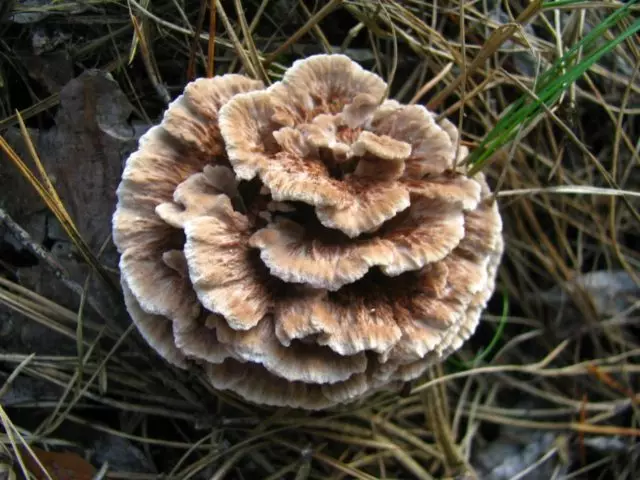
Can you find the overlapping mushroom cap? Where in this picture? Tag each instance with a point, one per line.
(307, 243)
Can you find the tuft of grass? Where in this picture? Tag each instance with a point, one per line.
(550, 86)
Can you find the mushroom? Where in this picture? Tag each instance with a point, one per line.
(306, 244)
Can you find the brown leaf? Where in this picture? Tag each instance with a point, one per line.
(83, 154)
(86, 149)
(59, 465)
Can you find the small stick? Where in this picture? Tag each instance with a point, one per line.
(39, 251)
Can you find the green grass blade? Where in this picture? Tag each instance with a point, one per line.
(551, 85)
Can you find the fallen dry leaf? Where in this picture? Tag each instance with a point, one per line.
(59, 465)
(83, 154)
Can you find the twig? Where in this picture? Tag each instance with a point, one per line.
(38, 250)
(49, 260)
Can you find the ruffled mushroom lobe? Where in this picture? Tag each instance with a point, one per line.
(185, 142)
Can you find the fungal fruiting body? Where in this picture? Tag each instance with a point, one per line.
(308, 243)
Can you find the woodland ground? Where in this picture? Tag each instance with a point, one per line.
(547, 95)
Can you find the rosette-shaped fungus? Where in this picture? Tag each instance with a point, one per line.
(306, 243)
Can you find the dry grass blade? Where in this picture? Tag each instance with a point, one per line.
(12, 432)
(249, 66)
(251, 46)
(191, 66)
(15, 373)
(311, 23)
(570, 190)
(435, 405)
(213, 8)
(141, 39)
